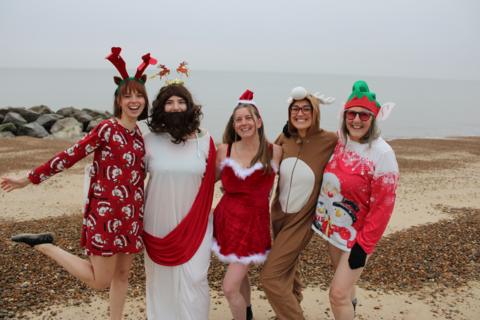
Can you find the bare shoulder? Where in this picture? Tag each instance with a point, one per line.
(221, 151)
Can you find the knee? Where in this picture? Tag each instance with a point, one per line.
(121, 275)
(230, 290)
(100, 284)
(339, 296)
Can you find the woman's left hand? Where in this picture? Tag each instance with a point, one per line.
(357, 258)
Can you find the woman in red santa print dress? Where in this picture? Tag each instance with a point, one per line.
(113, 216)
(247, 164)
(357, 195)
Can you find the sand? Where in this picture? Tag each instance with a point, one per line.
(434, 173)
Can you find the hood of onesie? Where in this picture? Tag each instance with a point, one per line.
(300, 93)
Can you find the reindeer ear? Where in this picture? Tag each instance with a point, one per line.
(117, 80)
(143, 78)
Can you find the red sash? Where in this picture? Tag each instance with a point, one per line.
(181, 243)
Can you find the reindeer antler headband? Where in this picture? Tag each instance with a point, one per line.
(115, 58)
(182, 70)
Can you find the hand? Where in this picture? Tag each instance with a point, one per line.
(9, 184)
(357, 257)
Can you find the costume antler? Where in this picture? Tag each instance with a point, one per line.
(182, 68)
(118, 61)
(146, 61)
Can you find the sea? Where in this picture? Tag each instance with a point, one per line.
(424, 108)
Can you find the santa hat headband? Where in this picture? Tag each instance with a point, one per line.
(246, 98)
(116, 59)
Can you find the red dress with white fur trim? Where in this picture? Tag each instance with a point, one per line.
(242, 217)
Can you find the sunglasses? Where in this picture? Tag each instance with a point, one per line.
(364, 116)
(304, 109)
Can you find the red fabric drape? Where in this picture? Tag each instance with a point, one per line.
(181, 243)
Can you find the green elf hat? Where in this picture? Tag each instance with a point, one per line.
(362, 97)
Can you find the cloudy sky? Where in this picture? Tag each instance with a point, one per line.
(427, 38)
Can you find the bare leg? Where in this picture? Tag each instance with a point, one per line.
(232, 284)
(335, 255)
(119, 285)
(342, 287)
(245, 290)
(96, 273)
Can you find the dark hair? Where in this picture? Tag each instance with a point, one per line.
(161, 121)
(127, 87)
(289, 129)
(265, 152)
(372, 133)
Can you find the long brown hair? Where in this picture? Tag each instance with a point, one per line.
(265, 151)
(127, 87)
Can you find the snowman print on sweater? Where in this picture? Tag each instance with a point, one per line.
(335, 215)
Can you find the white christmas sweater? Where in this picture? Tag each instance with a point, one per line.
(357, 194)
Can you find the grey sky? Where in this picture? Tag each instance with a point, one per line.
(418, 38)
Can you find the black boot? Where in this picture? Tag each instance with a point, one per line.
(249, 313)
(32, 239)
(354, 303)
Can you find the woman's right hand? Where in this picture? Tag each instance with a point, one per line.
(10, 184)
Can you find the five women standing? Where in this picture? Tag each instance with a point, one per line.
(356, 183)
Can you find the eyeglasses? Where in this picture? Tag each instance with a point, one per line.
(304, 109)
(351, 115)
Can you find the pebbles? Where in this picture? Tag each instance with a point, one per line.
(444, 254)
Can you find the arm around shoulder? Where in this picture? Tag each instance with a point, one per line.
(277, 155)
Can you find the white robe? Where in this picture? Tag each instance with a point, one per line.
(175, 174)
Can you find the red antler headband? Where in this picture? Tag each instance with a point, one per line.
(115, 58)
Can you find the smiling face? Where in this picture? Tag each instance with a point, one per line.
(245, 122)
(358, 121)
(131, 104)
(301, 115)
(175, 104)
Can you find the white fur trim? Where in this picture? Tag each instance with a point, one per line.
(247, 102)
(240, 172)
(257, 258)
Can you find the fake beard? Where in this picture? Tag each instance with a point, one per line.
(176, 122)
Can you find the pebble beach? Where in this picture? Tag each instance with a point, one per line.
(427, 266)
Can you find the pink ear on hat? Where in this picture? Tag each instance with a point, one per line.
(246, 97)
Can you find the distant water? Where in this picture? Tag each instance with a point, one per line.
(424, 107)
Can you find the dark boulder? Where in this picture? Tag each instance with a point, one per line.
(14, 118)
(32, 129)
(48, 120)
(41, 109)
(26, 114)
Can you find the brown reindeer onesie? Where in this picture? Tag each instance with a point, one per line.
(293, 209)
